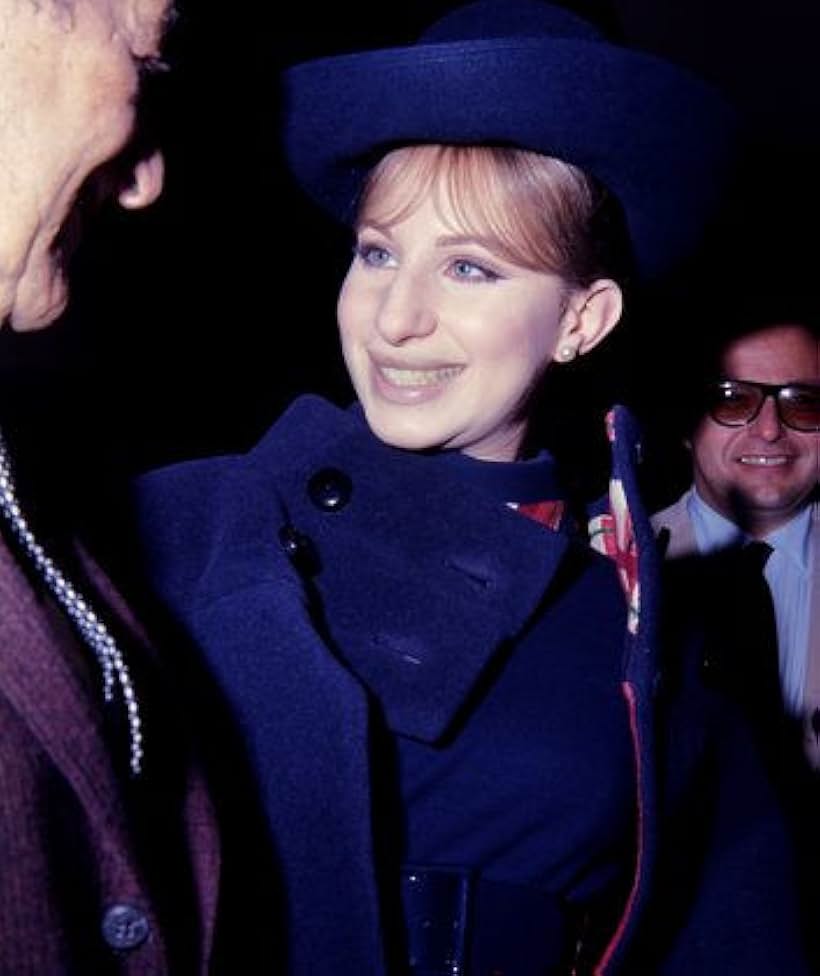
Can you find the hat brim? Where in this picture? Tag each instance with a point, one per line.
(659, 138)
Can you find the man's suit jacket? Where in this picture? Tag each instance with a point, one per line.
(675, 521)
(798, 784)
(76, 894)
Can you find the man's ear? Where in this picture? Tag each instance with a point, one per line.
(592, 313)
(146, 184)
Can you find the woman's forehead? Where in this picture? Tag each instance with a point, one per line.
(408, 178)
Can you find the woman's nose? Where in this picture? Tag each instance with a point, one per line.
(406, 310)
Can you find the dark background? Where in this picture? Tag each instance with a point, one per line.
(195, 322)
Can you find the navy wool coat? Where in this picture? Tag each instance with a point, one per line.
(323, 571)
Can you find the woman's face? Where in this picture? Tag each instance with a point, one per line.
(443, 339)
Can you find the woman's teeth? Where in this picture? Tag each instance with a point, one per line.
(419, 377)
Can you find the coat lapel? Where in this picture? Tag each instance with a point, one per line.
(419, 640)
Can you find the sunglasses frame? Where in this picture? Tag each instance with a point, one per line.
(766, 390)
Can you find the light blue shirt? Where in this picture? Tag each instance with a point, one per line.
(788, 573)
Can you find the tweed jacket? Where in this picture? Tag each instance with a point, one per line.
(75, 897)
(322, 565)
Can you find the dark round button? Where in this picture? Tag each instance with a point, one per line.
(330, 489)
(125, 927)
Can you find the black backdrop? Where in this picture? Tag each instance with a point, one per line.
(194, 322)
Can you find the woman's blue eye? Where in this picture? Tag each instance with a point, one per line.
(470, 271)
(373, 255)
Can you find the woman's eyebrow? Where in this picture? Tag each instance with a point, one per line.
(374, 225)
(460, 240)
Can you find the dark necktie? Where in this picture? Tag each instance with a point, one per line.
(742, 657)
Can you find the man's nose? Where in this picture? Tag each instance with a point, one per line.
(767, 424)
(406, 311)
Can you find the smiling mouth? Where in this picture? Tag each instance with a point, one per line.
(419, 377)
(764, 460)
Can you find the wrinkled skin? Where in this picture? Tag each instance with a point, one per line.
(70, 71)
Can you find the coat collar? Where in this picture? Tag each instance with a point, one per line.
(417, 597)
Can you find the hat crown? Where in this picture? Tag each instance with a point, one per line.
(531, 74)
(492, 19)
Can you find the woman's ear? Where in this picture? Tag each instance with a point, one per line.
(146, 184)
(592, 313)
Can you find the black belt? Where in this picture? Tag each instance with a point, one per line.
(460, 925)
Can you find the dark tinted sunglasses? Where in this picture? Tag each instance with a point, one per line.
(734, 403)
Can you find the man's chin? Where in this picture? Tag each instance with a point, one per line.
(778, 505)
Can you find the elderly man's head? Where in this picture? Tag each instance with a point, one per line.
(755, 449)
(70, 71)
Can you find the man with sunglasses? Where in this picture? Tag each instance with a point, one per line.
(743, 555)
(754, 450)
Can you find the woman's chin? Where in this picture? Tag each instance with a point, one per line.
(403, 434)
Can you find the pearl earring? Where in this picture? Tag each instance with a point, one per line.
(566, 353)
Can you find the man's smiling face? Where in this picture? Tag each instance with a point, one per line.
(761, 474)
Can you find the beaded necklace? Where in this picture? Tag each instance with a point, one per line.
(91, 628)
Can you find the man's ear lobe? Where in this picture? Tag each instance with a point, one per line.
(597, 311)
(146, 185)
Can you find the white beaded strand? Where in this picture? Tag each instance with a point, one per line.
(93, 631)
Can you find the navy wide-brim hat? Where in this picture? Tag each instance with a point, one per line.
(527, 74)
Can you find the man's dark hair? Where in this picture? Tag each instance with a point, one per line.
(756, 269)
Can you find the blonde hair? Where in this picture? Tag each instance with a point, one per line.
(535, 210)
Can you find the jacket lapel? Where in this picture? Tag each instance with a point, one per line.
(675, 520)
(43, 675)
(200, 820)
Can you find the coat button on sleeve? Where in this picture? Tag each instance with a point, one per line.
(330, 489)
(125, 927)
